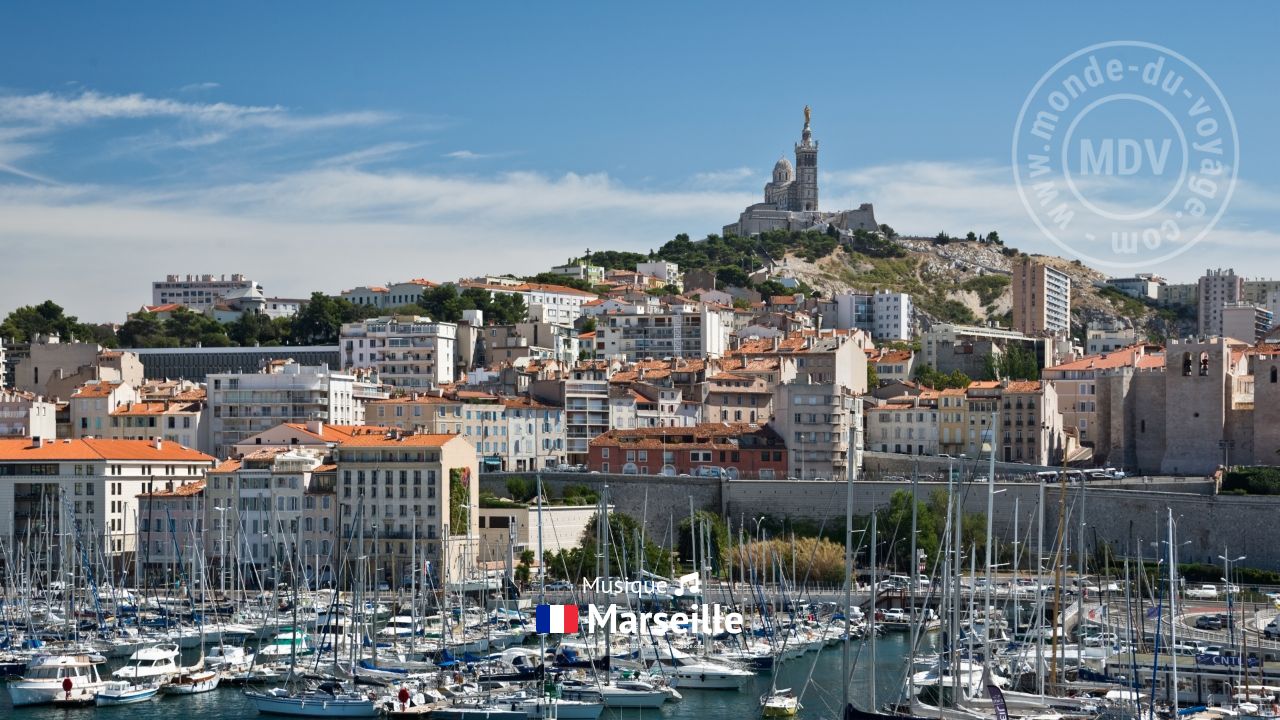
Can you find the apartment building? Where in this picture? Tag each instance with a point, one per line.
(584, 394)
(817, 421)
(55, 369)
(688, 329)
(494, 346)
(819, 356)
(1030, 428)
(50, 487)
(24, 414)
(508, 433)
(256, 508)
(396, 487)
(1245, 321)
(242, 405)
(198, 292)
(907, 425)
(1041, 298)
(732, 450)
(737, 398)
(1215, 290)
(405, 351)
(171, 535)
(391, 295)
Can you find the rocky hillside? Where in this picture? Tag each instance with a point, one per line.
(968, 282)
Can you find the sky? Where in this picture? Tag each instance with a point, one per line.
(323, 146)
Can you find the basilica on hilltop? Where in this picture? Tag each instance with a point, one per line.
(791, 198)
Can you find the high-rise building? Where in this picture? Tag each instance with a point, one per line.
(244, 404)
(198, 292)
(1216, 289)
(1041, 298)
(404, 350)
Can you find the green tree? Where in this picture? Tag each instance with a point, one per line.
(141, 330)
(188, 328)
(718, 541)
(521, 488)
(580, 562)
(47, 318)
(894, 525)
(1015, 363)
(320, 321)
(926, 375)
(873, 377)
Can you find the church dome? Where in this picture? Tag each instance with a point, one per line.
(782, 171)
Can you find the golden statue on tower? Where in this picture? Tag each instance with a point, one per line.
(806, 114)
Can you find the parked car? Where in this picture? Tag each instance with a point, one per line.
(1208, 622)
(1272, 630)
(559, 585)
(1204, 592)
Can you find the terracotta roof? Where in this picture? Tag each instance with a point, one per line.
(166, 307)
(397, 440)
(782, 300)
(420, 281)
(324, 468)
(183, 490)
(1124, 357)
(894, 356)
(1023, 386)
(703, 435)
(227, 466)
(340, 433)
(153, 408)
(95, 390)
(98, 449)
(984, 385)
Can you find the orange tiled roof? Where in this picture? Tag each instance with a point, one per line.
(1023, 386)
(397, 440)
(98, 449)
(1124, 357)
(894, 356)
(95, 390)
(183, 490)
(227, 466)
(153, 408)
(340, 433)
(166, 307)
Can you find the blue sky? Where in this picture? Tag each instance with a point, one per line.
(323, 146)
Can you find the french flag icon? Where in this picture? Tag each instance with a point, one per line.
(556, 619)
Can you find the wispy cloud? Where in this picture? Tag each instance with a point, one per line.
(469, 155)
(200, 87)
(735, 179)
(367, 156)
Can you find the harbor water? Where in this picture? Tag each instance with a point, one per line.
(820, 699)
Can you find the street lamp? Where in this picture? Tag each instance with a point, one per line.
(1226, 579)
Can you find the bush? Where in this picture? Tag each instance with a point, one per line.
(1252, 481)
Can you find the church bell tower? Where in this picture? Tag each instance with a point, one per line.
(806, 183)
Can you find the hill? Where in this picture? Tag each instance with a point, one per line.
(960, 280)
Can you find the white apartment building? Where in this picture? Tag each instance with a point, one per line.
(580, 270)
(667, 272)
(1101, 338)
(692, 330)
(24, 414)
(508, 433)
(198, 292)
(584, 395)
(891, 313)
(388, 296)
(245, 404)
(49, 486)
(405, 351)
